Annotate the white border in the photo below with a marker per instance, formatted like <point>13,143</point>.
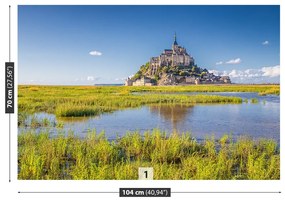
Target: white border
<point>10,190</point>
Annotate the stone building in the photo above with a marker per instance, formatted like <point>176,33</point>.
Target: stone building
<point>190,79</point>
<point>129,82</point>
<point>177,56</point>
<point>144,81</point>
<point>225,79</point>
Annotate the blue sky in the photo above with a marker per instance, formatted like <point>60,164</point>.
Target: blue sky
<point>84,45</point>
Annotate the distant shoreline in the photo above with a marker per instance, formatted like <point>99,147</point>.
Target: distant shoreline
<point>116,84</point>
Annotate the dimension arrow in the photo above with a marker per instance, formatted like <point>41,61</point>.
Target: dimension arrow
<point>9,33</point>
<point>227,192</point>
<point>174,192</point>
<point>67,192</point>
<point>9,81</point>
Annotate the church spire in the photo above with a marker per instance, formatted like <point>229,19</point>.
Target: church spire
<point>175,42</point>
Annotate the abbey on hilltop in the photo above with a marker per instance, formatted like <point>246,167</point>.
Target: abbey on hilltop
<point>177,56</point>
<point>174,67</point>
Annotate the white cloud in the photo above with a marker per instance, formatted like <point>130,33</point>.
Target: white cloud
<point>271,71</point>
<point>261,75</point>
<point>120,79</point>
<point>265,43</point>
<point>95,53</point>
<point>234,61</point>
<point>216,72</point>
<point>92,78</point>
<point>250,73</point>
<point>235,73</point>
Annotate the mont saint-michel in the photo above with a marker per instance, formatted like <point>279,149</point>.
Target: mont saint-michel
<point>174,66</point>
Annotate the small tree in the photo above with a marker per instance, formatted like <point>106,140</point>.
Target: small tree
<point>205,70</point>
<point>156,77</point>
<point>137,75</point>
<point>203,73</point>
<point>182,73</point>
<point>165,69</point>
<point>194,69</point>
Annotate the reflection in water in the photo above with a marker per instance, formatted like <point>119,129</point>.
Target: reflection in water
<point>260,119</point>
<point>175,114</point>
<point>77,119</point>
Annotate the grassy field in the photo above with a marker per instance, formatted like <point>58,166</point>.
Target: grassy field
<point>175,157</point>
<point>261,89</point>
<point>95,157</point>
<point>76,101</point>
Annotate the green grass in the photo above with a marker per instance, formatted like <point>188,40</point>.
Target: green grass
<point>75,101</point>
<point>261,89</point>
<point>178,156</point>
<point>71,110</point>
<point>33,121</point>
<point>254,100</point>
<point>94,157</point>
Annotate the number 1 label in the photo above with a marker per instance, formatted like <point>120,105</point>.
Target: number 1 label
<point>145,173</point>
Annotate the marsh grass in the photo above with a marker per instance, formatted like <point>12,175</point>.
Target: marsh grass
<point>78,101</point>
<point>178,156</point>
<point>254,100</point>
<point>34,121</point>
<point>71,110</point>
<point>275,90</point>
